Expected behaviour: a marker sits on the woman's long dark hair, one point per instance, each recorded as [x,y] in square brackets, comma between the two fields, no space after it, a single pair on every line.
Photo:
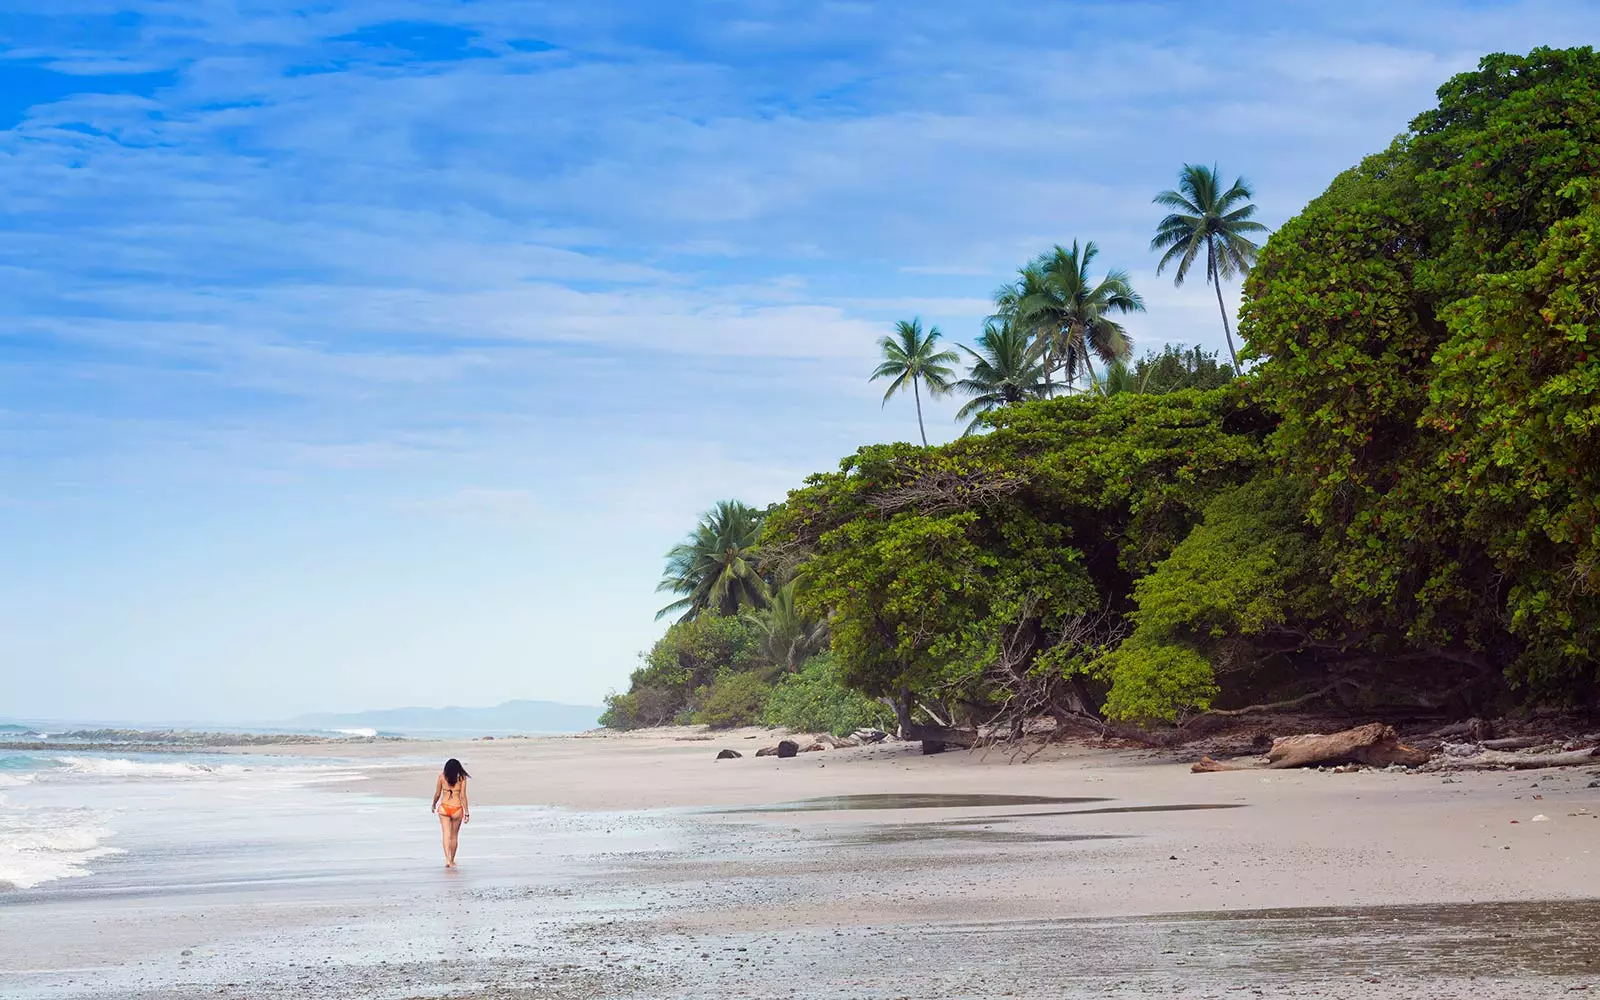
[454,772]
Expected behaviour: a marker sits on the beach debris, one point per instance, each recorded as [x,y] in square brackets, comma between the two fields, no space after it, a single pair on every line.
[1474,729]
[1457,756]
[1541,818]
[867,736]
[1374,744]
[828,741]
[729,755]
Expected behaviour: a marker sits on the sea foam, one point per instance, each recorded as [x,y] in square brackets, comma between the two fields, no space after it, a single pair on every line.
[42,844]
[117,767]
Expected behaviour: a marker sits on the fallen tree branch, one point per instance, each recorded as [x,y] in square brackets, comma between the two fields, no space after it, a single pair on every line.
[1514,743]
[1231,713]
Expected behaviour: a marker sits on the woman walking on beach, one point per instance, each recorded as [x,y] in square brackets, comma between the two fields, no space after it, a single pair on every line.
[450,802]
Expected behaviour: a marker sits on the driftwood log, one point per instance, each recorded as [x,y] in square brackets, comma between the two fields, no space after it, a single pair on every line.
[1375,744]
[1519,761]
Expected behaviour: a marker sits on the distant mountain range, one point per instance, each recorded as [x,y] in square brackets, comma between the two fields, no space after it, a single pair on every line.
[503,719]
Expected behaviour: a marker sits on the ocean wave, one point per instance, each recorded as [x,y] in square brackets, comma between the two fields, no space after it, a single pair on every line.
[16,780]
[364,733]
[42,844]
[119,767]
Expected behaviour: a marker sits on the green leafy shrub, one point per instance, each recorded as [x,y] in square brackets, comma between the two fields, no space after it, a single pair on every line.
[680,667]
[732,700]
[1248,573]
[816,700]
[641,708]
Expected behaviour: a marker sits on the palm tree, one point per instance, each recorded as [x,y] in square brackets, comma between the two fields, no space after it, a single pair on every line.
[788,637]
[1121,378]
[1079,309]
[715,568]
[1205,216]
[913,358]
[1017,306]
[1005,369]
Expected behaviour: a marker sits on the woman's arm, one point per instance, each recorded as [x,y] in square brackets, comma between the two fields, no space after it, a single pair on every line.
[466,810]
[438,790]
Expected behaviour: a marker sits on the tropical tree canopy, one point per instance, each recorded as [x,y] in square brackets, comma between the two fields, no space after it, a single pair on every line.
[912,357]
[1429,326]
[716,568]
[1006,370]
[1211,222]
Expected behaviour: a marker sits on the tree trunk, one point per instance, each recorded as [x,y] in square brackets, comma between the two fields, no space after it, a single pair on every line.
[920,429]
[1093,381]
[902,712]
[1216,282]
[945,736]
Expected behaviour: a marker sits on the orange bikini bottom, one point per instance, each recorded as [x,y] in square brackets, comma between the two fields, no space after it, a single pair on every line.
[451,811]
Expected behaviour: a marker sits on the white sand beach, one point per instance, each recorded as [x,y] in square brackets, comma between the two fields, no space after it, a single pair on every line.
[640,866]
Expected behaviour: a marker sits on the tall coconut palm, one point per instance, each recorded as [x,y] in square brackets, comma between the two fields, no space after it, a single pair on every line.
[913,357]
[1016,305]
[1205,217]
[715,569]
[1079,309]
[1006,369]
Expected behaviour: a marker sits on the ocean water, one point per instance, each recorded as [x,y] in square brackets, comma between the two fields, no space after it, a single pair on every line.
[66,814]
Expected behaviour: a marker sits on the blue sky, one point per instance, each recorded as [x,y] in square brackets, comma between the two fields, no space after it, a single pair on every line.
[365,354]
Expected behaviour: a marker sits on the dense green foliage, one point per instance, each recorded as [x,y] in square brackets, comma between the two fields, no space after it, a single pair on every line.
[672,680]
[1428,330]
[816,700]
[733,699]
[985,570]
[1244,585]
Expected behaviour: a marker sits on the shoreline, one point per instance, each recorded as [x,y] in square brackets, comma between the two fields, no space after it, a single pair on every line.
[639,865]
[1288,838]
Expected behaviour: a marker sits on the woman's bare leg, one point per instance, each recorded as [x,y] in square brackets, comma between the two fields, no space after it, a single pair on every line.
[445,836]
[452,841]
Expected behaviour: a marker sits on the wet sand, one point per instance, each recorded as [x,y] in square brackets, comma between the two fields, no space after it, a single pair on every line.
[640,866]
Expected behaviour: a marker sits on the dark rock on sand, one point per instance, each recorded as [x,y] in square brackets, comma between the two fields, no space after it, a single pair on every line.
[788,748]
[729,755]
